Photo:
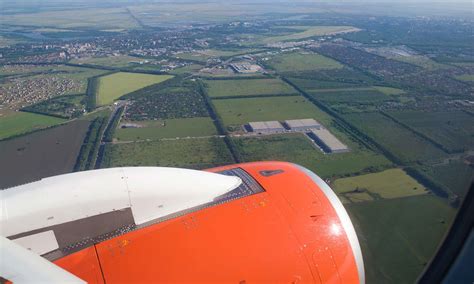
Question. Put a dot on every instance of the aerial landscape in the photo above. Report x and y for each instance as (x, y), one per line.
(377, 99)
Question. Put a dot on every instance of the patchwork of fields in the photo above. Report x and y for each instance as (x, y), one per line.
(204, 55)
(454, 130)
(247, 87)
(104, 18)
(114, 62)
(297, 62)
(299, 149)
(403, 143)
(408, 126)
(308, 31)
(241, 111)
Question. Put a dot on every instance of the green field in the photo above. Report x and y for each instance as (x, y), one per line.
(316, 88)
(186, 69)
(188, 153)
(351, 95)
(297, 148)
(309, 31)
(250, 87)
(389, 90)
(242, 111)
(112, 61)
(112, 87)
(314, 84)
(22, 122)
(204, 55)
(297, 62)
(456, 175)
(96, 18)
(466, 77)
(422, 61)
(392, 183)
(454, 130)
(399, 141)
(170, 128)
(399, 236)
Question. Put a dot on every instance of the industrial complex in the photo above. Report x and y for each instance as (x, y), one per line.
(314, 130)
(245, 67)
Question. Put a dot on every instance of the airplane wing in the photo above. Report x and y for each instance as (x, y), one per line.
(254, 222)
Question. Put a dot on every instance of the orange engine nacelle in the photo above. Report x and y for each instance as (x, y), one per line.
(294, 230)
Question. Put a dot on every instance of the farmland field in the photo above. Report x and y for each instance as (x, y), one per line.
(466, 77)
(399, 141)
(204, 55)
(456, 175)
(313, 84)
(22, 122)
(422, 61)
(389, 90)
(112, 87)
(187, 153)
(297, 62)
(41, 154)
(392, 183)
(241, 111)
(302, 32)
(114, 61)
(104, 18)
(250, 87)
(354, 95)
(299, 149)
(454, 130)
(399, 236)
(186, 69)
(170, 128)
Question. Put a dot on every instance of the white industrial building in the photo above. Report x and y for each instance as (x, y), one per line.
(302, 124)
(245, 67)
(327, 141)
(266, 127)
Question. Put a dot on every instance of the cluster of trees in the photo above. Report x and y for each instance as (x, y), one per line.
(110, 130)
(90, 148)
(174, 99)
(69, 106)
(375, 64)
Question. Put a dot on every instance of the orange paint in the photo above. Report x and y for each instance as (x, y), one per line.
(288, 234)
(84, 264)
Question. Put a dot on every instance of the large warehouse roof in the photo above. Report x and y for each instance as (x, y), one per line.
(329, 140)
(306, 123)
(266, 126)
